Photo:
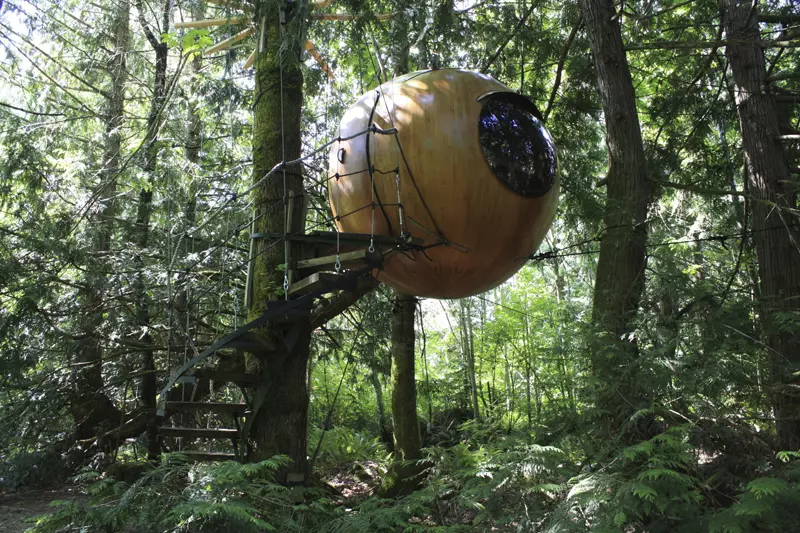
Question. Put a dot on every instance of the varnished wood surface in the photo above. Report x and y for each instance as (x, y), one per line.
(491, 228)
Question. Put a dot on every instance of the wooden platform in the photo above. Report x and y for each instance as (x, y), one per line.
(197, 455)
(199, 433)
(220, 376)
(214, 407)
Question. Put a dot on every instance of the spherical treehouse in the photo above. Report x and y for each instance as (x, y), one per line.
(456, 159)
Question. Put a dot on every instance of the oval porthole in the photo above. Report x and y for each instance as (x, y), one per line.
(516, 144)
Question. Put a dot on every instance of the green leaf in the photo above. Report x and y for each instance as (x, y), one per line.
(766, 486)
(644, 492)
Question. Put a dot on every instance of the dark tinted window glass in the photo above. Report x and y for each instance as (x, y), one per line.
(516, 145)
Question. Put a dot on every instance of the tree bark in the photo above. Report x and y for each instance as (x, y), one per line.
(380, 410)
(468, 349)
(407, 439)
(141, 230)
(92, 409)
(280, 425)
(621, 263)
(776, 234)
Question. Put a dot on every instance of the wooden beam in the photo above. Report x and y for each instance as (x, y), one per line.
(232, 5)
(228, 42)
(207, 23)
(199, 433)
(349, 261)
(318, 58)
(347, 16)
(322, 4)
(341, 302)
(221, 375)
(250, 60)
(312, 283)
(197, 455)
(343, 238)
(214, 407)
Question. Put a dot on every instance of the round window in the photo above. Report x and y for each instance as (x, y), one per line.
(516, 144)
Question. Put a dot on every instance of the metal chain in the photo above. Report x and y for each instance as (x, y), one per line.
(287, 222)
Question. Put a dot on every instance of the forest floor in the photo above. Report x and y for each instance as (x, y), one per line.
(18, 508)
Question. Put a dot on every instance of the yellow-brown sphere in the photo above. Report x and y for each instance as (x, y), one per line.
(477, 179)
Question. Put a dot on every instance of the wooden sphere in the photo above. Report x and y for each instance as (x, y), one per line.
(477, 179)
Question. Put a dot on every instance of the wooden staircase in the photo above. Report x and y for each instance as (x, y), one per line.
(318, 274)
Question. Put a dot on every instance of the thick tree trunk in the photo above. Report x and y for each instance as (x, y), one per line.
(93, 411)
(280, 424)
(407, 439)
(141, 230)
(776, 234)
(621, 264)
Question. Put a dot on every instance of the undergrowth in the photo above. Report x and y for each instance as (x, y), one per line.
(502, 484)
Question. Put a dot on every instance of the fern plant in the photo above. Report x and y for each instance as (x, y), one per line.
(178, 496)
(768, 503)
(650, 486)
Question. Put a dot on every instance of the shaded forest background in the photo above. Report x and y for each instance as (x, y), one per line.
(638, 374)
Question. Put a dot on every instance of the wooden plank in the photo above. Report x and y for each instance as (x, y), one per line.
(228, 42)
(314, 282)
(344, 239)
(318, 58)
(215, 407)
(222, 376)
(347, 16)
(197, 455)
(349, 261)
(207, 23)
(199, 433)
(250, 60)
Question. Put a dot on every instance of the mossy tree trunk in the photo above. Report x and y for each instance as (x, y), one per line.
(621, 264)
(774, 225)
(280, 424)
(407, 439)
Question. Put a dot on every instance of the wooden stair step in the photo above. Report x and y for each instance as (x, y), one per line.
(314, 282)
(221, 375)
(197, 455)
(216, 407)
(199, 433)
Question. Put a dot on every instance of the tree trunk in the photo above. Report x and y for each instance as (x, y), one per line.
(141, 229)
(407, 439)
(280, 424)
(380, 409)
(621, 263)
(92, 409)
(776, 234)
(465, 317)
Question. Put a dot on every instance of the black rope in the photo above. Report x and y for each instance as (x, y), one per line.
(370, 167)
(555, 253)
